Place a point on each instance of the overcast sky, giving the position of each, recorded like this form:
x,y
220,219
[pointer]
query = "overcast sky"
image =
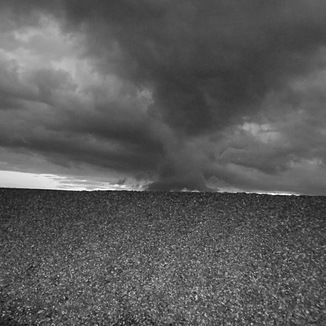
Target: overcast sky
x,y
164,95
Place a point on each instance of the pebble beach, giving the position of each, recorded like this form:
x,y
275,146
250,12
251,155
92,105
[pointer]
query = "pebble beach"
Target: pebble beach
x,y
155,258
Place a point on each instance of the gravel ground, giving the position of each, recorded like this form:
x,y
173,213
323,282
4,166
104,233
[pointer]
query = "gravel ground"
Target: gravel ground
x,y
140,258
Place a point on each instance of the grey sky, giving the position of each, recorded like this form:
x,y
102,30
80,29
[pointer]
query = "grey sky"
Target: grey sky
x,y
166,94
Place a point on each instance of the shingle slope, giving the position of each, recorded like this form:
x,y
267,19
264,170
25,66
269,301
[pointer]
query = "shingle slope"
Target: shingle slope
x,y
141,258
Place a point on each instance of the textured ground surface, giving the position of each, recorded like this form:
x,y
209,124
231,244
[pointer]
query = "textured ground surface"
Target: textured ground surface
x,y
129,258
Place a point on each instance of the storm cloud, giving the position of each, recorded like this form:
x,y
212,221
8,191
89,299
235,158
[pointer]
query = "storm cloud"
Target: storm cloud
x,y
197,95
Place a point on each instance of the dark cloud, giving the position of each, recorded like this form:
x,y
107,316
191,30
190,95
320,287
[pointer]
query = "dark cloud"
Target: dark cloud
x,y
207,61
41,115
220,75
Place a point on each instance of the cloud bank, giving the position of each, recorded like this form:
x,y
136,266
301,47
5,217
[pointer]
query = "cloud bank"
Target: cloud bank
x,y
197,95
